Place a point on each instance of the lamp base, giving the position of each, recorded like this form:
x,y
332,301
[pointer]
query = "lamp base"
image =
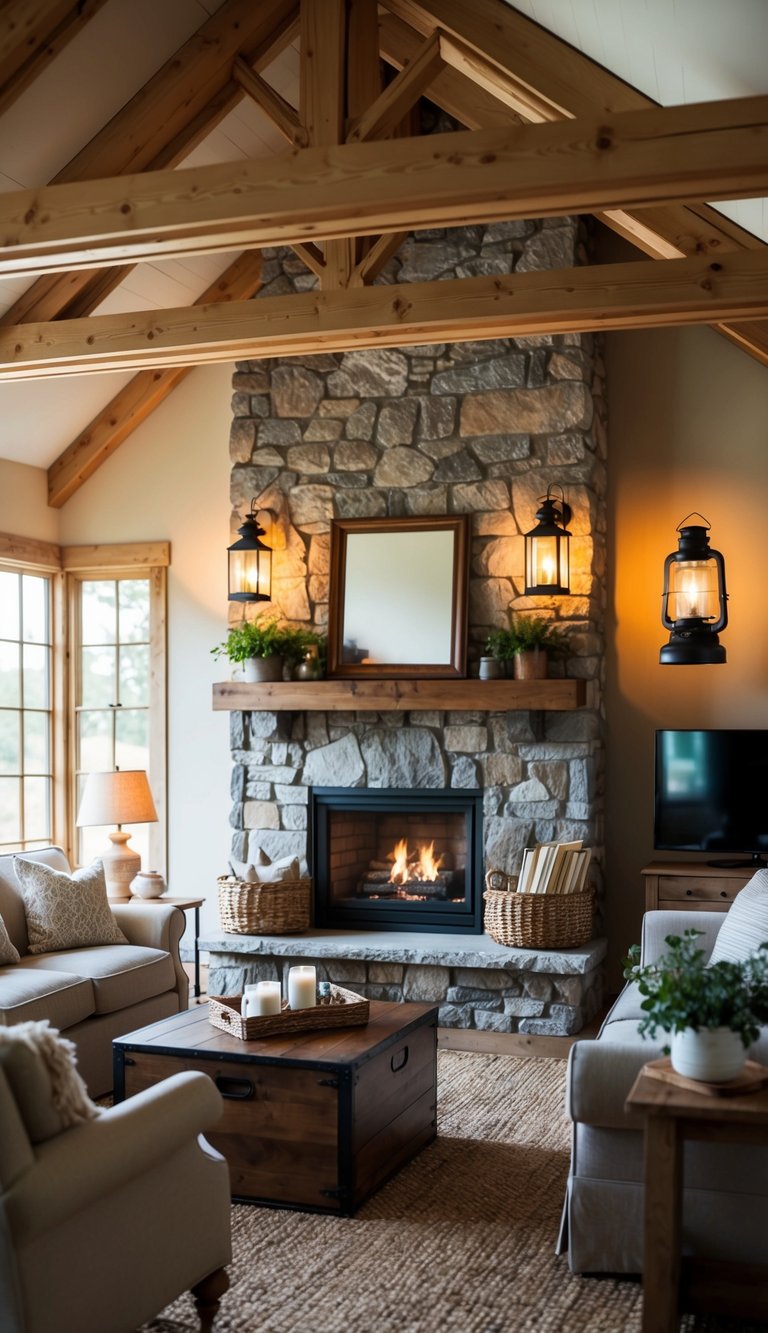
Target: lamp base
x,y
121,865
692,647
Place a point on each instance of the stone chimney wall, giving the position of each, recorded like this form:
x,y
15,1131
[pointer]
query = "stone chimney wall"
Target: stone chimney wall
x,y
480,428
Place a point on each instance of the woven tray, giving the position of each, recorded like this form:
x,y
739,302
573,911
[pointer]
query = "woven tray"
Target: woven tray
x,y
537,920
344,1009
264,909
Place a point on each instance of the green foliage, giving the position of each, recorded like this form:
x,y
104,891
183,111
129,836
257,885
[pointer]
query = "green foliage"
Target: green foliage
x,y
526,633
681,991
265,636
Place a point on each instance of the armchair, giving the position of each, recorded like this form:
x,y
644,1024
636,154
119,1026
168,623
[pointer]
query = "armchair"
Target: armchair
x,y
102,1224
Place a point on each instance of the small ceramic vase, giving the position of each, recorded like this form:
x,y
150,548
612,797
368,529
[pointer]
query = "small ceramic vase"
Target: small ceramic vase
x,y
490,668
148,884
713,1055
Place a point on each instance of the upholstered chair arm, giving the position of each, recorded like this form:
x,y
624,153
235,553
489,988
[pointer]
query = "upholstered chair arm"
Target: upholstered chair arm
x,y
155,926
118,1146
657,925
600,1075
16,1155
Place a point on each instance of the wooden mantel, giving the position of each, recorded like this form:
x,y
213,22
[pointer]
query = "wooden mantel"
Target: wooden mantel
x,y
381,696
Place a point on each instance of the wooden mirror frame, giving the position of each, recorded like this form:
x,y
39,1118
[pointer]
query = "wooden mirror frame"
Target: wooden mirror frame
x,y
341,530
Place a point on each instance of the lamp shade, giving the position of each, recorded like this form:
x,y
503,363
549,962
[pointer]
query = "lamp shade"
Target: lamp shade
x,y
121,797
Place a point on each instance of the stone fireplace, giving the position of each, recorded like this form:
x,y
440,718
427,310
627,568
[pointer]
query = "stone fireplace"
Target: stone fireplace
x,y
476,428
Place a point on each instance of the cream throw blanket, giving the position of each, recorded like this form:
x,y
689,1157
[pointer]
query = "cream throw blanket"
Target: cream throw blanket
x,y
69,1095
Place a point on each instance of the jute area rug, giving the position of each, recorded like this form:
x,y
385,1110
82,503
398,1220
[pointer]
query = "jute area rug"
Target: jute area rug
x,y
461,1240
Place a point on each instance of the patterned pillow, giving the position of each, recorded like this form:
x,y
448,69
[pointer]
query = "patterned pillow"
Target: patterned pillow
x,y
8,951
65,911
746,922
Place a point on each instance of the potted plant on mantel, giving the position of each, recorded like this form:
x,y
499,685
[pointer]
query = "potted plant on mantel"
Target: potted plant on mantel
x,y
528,644
263,646
711,1013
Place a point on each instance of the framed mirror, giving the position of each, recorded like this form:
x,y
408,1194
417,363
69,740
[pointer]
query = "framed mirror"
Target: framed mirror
x,y
398,597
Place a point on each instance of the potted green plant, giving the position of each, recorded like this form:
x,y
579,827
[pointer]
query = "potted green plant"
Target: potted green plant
x,y
710,1014
526,646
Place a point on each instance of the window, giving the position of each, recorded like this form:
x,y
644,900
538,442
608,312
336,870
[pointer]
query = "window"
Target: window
x,y
117,690
26,709
99,611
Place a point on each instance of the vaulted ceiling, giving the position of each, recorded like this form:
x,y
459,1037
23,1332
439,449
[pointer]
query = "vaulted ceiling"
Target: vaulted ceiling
x,y
133,249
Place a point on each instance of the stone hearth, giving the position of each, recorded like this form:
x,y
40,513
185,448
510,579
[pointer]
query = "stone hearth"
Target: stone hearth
x,y
477,983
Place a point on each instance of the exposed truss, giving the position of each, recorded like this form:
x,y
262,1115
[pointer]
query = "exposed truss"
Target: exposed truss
x,y
344,198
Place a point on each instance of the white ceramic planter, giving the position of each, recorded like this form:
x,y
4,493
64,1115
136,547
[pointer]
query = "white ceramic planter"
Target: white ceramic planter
x,y
713,1055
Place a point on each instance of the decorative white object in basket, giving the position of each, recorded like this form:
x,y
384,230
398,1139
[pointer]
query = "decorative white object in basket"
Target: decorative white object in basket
x,y
265,898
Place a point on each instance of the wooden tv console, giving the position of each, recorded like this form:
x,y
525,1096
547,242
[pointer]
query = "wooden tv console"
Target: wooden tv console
x,y
692,886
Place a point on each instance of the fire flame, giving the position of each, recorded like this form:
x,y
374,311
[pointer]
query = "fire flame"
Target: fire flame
x,y
424,865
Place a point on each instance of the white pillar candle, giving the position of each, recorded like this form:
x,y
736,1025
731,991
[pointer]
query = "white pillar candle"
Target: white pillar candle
x,y
261,999
302,986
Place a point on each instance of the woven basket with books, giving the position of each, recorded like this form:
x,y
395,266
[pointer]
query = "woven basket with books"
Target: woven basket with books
x,y
282,908
548,906
536,920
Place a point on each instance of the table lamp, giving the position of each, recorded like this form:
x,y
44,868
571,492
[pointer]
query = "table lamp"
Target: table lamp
x,y
122,797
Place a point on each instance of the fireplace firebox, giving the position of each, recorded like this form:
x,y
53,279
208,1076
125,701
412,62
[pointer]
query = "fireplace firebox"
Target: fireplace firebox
x,y
388,859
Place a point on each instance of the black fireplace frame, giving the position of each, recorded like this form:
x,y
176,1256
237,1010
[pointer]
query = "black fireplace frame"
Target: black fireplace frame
x,y
444,918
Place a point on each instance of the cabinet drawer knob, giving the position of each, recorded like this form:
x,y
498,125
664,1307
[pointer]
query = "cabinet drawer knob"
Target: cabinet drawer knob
x,y
689,893
399,1060
723,893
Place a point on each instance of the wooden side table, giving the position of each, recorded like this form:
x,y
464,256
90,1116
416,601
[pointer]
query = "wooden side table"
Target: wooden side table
x,y
185,905
673,1115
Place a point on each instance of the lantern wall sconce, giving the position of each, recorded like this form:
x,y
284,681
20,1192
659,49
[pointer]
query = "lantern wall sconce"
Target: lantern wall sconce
x,y
250,563
547,562
694,602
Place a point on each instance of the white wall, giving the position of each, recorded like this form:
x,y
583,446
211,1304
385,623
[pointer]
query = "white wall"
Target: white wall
x,y
170,481
24,508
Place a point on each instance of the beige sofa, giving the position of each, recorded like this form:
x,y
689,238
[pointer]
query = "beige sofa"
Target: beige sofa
x,y
93,994
726,1186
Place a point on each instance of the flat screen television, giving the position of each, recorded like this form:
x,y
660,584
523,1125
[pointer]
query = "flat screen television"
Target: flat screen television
x,y
711,794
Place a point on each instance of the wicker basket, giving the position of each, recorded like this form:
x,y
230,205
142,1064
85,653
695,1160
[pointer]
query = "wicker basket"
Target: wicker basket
x,y
537,920
344,1009
264,909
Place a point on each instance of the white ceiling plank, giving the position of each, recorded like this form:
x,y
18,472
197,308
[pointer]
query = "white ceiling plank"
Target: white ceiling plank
x,y
36,428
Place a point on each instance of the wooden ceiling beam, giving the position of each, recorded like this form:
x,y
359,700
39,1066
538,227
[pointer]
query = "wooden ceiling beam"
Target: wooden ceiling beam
x,y
614,296
134,403
382,116
717,149
463,99
553,80
322,82
32,33
161,124
283,116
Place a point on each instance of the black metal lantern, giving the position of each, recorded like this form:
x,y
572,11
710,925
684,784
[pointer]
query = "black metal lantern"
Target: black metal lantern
x,y
694,603
250,563
547,565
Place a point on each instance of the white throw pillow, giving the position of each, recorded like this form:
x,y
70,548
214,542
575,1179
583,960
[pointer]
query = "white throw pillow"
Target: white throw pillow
x,y
66,911
745,926
8,951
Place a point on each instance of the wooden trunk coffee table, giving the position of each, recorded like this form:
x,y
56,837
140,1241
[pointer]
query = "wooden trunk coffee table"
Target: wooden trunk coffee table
x,y
316,1120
